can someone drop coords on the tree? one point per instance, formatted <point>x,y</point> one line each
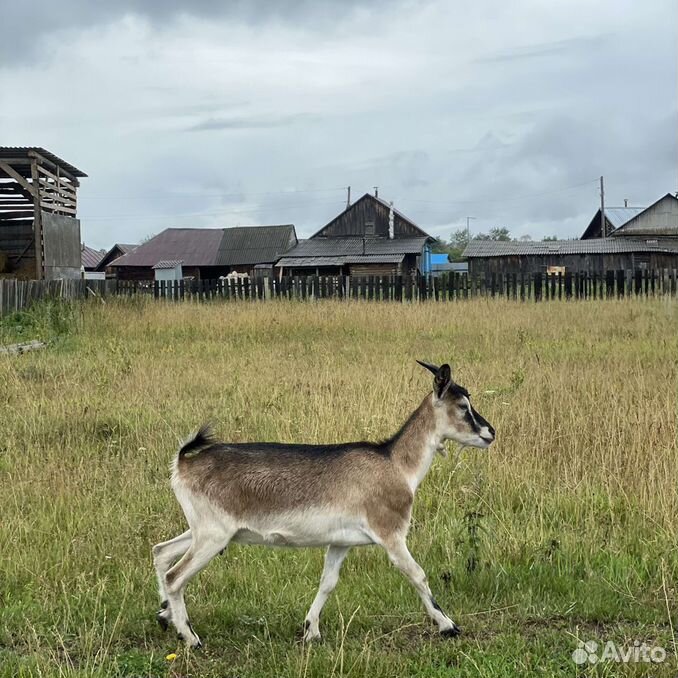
<point>500,233</point>
<point>525,238</point>
<point>549,238</point>
<point>497,233</point>
<point>456,246</point>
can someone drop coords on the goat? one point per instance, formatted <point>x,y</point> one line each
<point>338,496</point>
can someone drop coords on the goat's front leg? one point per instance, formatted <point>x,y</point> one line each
<point>400,556</point>
<point>333,560</point>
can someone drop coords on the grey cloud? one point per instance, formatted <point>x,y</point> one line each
<point>502,116</point>
<point>555,48</point>
<point>27,26</point>
<point>249,123</point>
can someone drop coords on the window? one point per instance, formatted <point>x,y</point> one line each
<point>369,228</point>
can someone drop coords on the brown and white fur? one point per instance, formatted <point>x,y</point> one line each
<point>339,496</point>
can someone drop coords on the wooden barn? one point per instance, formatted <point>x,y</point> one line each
<point>637,238</point>
<point>208,253</point>
<point>39,228</point>
<point>569,256</point>
<point>369,237</point>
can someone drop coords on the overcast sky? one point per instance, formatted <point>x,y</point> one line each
<point>233,113</point>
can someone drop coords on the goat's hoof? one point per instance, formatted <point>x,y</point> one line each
<point>312,637</point>
<point>162,620</point>
<point>452,632</point>
<point>194,643</point>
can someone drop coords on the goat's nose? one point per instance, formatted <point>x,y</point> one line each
<point>491,429</point>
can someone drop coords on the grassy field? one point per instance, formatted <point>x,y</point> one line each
<point>565,530</point>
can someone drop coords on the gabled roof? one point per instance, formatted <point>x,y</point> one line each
<point>635,227</point>
<point>368,197</point>
<point>481,249</point>
<point>89,257</point>
<point>615,217</point>
<point>255,244</point>
<point>212,246</point>
<point>8,152</point>
<point>124,247</point>
<point>118,250</point>
<point>375,247</point>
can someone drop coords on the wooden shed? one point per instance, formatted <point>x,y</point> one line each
<point>39,228</point>
<point>570,256</point>
<point>207,253</point>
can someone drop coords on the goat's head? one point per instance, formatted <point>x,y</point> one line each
<point>460,422</point>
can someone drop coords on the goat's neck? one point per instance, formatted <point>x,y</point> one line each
<point>415,445</point>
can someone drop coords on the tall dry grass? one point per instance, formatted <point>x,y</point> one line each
<point>569,522</point>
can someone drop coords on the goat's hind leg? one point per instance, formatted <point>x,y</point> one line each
<point>164,555</point>
<point>205,545</point>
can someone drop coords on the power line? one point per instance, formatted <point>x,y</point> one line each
<point>201,194</point>
<point>494,198</point>
<point>224,212</point>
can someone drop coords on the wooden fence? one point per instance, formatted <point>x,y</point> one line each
<point>16,295</point>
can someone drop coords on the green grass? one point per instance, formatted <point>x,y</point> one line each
<point>565,529</point>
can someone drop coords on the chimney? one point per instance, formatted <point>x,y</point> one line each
<point>626,202</point>
<point>376,191</point>
<point>391,222</point>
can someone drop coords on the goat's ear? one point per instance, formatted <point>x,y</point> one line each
<point>429,367</point>
<point>442,381</point>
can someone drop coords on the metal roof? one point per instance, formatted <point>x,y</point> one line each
<point>211,246</point>
<point>497,248</point>
<point>303,262</point>
<point>89,257</point>
<point>355,245</point>
<point>172,263</point>
<point>618,216</point>
<point>195,247</point>
<point>245,245</point>
<point>7,152</point>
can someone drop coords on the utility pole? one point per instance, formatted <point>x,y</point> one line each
<point>348,197</point>
<point>603,234</point>
<point>468,228</point>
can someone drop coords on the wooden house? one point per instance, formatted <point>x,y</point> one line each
<point>39,228</point>
<point>369,237</point>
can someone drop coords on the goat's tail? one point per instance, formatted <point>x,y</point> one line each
<point>202,438</point>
